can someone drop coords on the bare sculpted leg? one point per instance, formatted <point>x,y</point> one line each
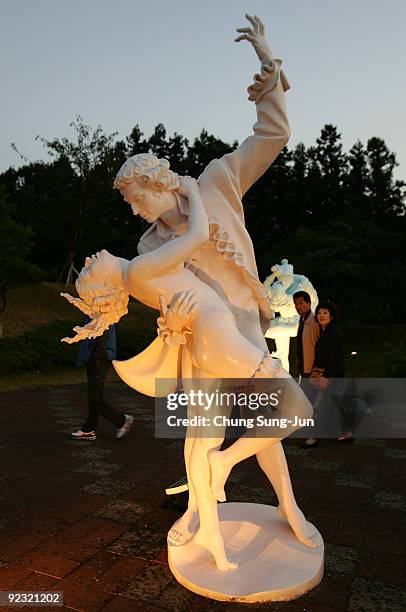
<point>185,528</point>
<point>201,516</point>
<point>272,460</point>
<point>200,521</point>
<point>222,462</point>
<point>202,449</point>
<point>208,535</point>
<point>202,505</point>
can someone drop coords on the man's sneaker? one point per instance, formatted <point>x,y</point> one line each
<point>83,435</point>
<point>129,420</point>
<point>180,486</point>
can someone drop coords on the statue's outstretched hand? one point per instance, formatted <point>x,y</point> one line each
<point>256,36</point>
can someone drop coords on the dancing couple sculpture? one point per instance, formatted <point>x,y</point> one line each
<point>196,265</point>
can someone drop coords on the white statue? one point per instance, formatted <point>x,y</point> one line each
<point>280,286</point>
<point>198,243</point>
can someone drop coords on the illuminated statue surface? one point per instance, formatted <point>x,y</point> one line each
<point>198,242</point>
<point>280,287</point>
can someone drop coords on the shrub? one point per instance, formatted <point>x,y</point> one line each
<point>38,349</point>
<point>395,359</point>
<point>41,349</point>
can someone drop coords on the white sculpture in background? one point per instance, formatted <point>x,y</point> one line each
<point>280,286</point>
<point>198,242</point>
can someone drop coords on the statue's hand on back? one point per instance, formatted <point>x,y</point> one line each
<point>180,311</point>
<point>174,324</point>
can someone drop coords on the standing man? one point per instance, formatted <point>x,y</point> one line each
<point>308,333</point>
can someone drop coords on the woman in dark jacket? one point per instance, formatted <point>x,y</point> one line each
<point>328,359</point>
<point>329,349</point>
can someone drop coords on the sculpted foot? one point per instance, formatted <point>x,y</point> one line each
<point>305,532</point>
<point>184,529</point>
<point>219,472</point>
<point>215,545</point>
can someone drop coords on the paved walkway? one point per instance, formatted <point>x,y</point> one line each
<point>90,518</point>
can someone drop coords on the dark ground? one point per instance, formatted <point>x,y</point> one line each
<point>90,518</point>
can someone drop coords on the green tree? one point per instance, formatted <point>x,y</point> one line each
<point>267,205</point>
<point>357,180</point>
<point>332,213</point>
<point>15,269</point>
<point>386,195</point>
<point>87,156</point>
<point>204,149</point>
<point>134,143</point>
<point>350,264</point>
<point>329,174</point>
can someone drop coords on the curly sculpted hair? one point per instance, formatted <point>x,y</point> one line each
<point>147,170</point>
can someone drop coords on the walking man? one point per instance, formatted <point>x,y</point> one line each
<point>97,354</point>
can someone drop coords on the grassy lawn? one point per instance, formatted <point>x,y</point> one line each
<point>33,380</point>
<point>29,307</point>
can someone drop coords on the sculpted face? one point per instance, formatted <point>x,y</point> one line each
<point>149,203</point>
<point>100,267</point>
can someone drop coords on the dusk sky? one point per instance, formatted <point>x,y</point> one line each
<point>126,62</point>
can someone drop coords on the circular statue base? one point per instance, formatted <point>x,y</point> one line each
<point>273,565</point>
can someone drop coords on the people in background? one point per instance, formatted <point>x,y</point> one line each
<point>328,361</point>
<point>307,334</point>
<point>97,354</point>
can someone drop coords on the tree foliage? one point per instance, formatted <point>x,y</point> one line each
<point>15,269</point>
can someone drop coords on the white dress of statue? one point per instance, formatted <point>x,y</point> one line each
<point>198,242</point>
<point>280,287</point>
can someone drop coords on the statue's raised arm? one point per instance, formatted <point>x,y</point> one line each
<point>271,131</point>
<point>153,191</point>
